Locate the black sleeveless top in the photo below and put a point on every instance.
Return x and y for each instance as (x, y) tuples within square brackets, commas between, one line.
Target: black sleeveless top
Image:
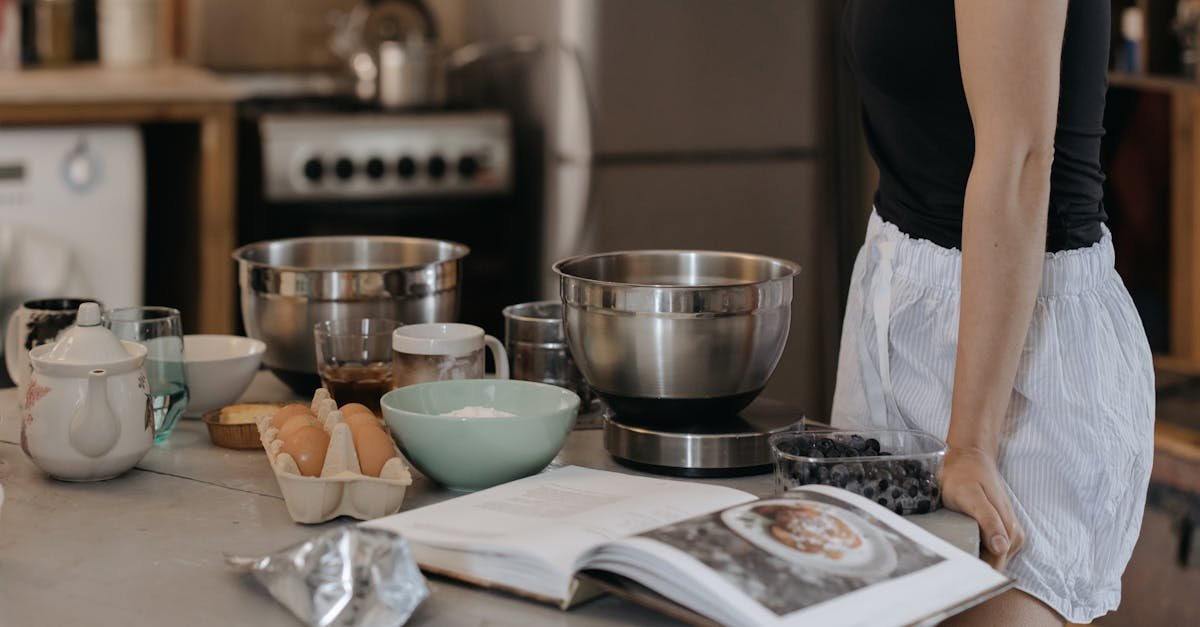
[(919, 131)]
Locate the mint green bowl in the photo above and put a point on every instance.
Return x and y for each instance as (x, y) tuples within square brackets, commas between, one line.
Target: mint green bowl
[(476, 453)]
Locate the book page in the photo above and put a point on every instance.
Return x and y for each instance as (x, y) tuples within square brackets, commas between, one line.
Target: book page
[(558, 515), (821, 556)]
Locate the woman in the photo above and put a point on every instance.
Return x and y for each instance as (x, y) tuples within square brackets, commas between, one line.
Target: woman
[(1023, 350)]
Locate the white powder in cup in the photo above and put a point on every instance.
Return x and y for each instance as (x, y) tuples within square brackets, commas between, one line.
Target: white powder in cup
[(478, 412)]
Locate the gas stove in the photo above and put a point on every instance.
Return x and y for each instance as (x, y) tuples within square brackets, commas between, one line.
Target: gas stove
[(365, 155)]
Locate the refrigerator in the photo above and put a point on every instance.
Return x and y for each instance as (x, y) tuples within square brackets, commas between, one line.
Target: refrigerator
[(702, 124)]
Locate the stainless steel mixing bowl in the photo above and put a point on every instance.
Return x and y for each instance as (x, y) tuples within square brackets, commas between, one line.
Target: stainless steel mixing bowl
[(289, 285), (669, 337)]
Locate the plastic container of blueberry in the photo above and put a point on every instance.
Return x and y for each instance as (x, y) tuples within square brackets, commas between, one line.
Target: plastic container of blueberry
[(899, 469)]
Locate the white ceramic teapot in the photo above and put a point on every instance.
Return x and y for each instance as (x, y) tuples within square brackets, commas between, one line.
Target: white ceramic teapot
[(87, 415)]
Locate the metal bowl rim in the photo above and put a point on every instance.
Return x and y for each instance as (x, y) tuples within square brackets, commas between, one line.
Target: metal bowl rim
[(791, 266), (461, 251)]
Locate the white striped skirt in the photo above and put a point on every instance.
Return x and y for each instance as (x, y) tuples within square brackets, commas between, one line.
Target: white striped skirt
[(1078, 438)]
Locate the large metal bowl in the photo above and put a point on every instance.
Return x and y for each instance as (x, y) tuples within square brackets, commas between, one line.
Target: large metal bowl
[(670, 337), (289, 285)]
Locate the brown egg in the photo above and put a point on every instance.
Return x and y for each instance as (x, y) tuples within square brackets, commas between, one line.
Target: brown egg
[(307, 446), (359, 420), (356, 408), (287, 411), (292, 425), (374, 448)]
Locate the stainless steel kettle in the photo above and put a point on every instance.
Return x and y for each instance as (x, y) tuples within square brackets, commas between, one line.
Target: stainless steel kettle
[(391, 48)]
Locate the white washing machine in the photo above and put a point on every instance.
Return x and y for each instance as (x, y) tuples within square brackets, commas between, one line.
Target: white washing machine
[(72, 214)]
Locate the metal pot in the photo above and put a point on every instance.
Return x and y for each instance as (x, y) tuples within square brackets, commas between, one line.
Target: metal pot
[(537, 346), (669, 337), (289, 285)]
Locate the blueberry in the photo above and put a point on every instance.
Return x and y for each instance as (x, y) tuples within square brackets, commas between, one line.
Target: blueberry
[(825, 444), (934, 492), (839, 475), (883, 501), (872, 443), (868, 491), (814, 453), (911, 486), (857, 442), (899, 509), (923, 506), (896, 492), (883, 484)]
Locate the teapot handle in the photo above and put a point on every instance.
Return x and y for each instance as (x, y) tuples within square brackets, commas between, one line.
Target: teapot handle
[(11, 337), (94, 428)]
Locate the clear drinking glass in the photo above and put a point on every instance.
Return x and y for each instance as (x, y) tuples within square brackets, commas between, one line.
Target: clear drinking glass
[(159, 329), (354, 359)]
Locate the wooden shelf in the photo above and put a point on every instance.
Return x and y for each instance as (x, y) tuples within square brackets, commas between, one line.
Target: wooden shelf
[(94, 84), (1153, 82)]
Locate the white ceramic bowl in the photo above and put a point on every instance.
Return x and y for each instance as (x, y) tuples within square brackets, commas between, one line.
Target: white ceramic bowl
[(219, 369)]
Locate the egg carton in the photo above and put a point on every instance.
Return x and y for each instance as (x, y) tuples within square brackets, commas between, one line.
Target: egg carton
[(342, 489)]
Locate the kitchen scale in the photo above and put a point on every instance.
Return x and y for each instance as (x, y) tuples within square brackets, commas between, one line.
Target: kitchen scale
[(704, 447)]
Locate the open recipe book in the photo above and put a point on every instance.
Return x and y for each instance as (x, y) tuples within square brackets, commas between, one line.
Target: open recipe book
[(702, 553)]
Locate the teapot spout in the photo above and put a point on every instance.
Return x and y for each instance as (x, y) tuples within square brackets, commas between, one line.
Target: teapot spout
[(94, 428)]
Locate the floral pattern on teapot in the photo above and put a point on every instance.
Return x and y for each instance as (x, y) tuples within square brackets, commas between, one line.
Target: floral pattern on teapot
[(33, 394)]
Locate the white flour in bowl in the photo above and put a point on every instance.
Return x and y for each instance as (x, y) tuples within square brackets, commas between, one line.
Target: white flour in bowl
[(478, 412)]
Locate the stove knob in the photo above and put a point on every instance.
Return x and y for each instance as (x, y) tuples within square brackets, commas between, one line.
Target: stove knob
[(437, 167), (468, 167), (344, 168), (314, 169), (375, 168), (406, 167)]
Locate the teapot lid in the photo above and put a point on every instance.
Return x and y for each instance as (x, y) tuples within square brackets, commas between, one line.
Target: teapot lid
[(88, 342)]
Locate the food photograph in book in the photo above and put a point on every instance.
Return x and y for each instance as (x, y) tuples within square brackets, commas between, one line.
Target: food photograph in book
[(790, 554)]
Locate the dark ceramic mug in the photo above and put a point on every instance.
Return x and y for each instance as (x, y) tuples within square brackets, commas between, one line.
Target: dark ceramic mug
[(35, 323)]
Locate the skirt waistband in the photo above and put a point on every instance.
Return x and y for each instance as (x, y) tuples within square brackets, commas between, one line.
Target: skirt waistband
[(921, 261)]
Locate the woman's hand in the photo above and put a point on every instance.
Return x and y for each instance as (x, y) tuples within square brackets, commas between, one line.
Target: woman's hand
[(971, 484)]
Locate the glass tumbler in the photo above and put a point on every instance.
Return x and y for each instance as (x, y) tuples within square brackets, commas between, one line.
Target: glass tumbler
[(159, 329), (354, 359)]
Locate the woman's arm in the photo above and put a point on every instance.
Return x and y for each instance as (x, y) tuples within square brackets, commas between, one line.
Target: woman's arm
[(1010, 53)]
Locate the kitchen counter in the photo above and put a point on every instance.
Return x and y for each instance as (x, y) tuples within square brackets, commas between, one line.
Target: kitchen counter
[(146, 548)]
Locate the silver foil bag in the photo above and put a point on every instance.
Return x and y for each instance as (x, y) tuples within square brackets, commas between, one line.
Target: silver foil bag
[(347, 576)]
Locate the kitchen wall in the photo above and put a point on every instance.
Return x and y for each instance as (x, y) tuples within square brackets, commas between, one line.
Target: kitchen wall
[(280, 35)]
